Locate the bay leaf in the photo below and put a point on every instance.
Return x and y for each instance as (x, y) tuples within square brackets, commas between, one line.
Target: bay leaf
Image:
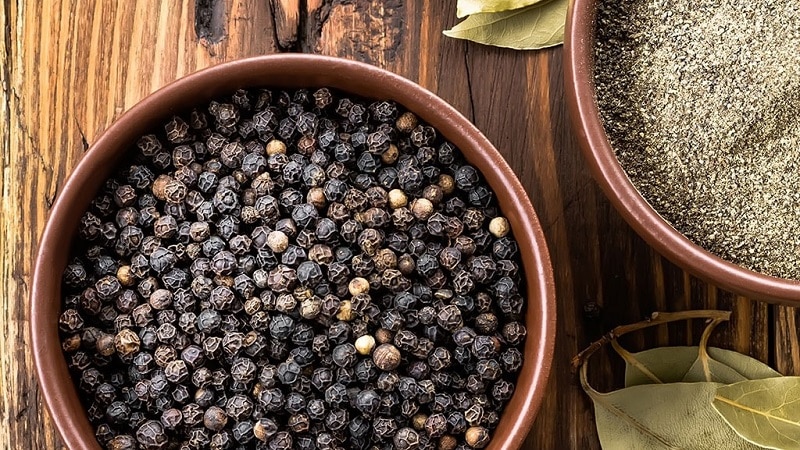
[(706, 368), (465, 8), (663, 416), (751, 368), (668, 364), (533, 27), (674, 364), (727, 366), (765, 412)]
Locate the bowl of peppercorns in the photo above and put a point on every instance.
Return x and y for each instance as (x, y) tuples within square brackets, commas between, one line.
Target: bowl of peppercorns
[(292, 251)]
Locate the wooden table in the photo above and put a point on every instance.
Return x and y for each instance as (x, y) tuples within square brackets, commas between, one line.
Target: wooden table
[(70, 67)]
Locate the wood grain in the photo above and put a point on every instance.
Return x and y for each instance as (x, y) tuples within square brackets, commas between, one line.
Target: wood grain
[(286, 14), (70, 67)]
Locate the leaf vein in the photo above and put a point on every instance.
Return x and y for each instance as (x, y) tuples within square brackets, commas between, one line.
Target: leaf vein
[(735, 404)]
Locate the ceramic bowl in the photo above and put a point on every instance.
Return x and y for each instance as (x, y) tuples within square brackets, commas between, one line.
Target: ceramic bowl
[(287, 71), (606, 169)]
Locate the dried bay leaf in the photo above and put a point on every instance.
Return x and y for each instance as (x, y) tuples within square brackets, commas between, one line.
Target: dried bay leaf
[(726, 366), (662, 416), (467, 7), (708, 368), (765, 412), (658, 410), (668, 364), (676, 364), (751, 368), (537, 26)]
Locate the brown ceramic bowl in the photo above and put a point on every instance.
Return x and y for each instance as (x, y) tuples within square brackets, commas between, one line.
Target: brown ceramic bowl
[(579, 81), (287, 71)]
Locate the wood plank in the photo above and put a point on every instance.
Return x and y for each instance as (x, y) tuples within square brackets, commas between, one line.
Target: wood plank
[(286, 15), (70, 67)]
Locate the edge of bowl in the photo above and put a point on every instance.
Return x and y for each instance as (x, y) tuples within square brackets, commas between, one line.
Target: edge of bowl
[(609, 174), (357, 78)]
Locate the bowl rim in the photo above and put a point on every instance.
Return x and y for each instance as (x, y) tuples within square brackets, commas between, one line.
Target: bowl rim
[(609, 174), (58, 390)]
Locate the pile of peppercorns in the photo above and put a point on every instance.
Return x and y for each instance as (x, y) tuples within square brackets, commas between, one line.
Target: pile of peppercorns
[(294, 270)]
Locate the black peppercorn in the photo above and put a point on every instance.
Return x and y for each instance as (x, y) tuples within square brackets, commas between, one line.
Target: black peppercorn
[(488, 369), (198, 437), (477, 437), (151, 435), (224, 253), (288, 372), (215, 418), (406, 439), (484, 346), (70, 320), (176, 371), (449, 318), (243, 432), (344, 355), (264, 429), (385, 428), (513, 332), (439, 359), (511, 360), (122, 442), (309, 273)]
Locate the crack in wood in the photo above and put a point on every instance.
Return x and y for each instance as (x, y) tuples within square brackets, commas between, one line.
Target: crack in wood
[(301, 24), (574, 199), (314, 14), (286, 19), (469, 83), (209, 21), (6, 73), (84, 142), (23, 128), (46, 166), (370, 31)]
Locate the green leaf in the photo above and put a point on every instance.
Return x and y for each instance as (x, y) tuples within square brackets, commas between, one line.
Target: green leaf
[(468, 7), (765, 412), (533, 27), (663, 416)]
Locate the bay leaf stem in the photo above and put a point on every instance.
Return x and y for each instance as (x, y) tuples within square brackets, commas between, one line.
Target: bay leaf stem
[(657, 318), (630, 359), (703, 348)]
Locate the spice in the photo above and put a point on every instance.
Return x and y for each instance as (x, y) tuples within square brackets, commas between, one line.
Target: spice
[(386, 357), (701, 107), (365, 344), (275, 146), (422, 208), (294, 268), (406, 122), (126, 342), (358, 286), (477, 437), (397, 198), (498, 227)]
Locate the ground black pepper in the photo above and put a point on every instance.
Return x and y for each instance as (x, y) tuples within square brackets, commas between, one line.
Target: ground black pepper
[(701, 110), (298, 270)]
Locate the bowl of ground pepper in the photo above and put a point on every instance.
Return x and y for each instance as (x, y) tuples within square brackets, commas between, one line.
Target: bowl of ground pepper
[(690, 129), (292, 251)]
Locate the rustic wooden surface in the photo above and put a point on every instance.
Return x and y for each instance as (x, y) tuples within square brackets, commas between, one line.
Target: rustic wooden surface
[(70, 67)]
